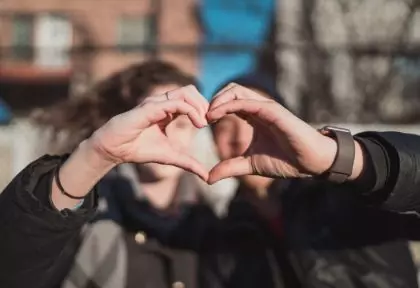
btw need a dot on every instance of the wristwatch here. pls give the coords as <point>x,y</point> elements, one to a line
<point>342,166</point>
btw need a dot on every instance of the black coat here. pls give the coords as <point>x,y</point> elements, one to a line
<point>330,239</point>
<point>37,244</point>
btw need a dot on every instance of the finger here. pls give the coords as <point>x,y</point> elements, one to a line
<point>159,111</point>
<point>224,89</point>
<point>227,94</point>
<point>246,108</point>
<point>230,168</point>
<point>195,95</point>
<point>251,119</point>
<point>179,158</point>
<point>165,122</point>
<point>189,94</point>
<point>268,114</point>
<point>189,163</point>
<point>235,92</point>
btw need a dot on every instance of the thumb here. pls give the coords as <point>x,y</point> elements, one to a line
<point>184,161</point>
<point>230,168</point>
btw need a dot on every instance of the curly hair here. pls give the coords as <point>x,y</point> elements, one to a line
<point>77,118</point>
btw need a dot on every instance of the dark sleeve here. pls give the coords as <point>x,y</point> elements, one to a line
<point>393,169</point>
<point>37,242</point>
<point>375,172</point>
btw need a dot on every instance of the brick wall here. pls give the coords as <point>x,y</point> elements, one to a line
<point>99,19</point>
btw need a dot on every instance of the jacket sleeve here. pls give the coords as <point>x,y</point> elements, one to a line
<point>397,170</point>
<point>37,242</point>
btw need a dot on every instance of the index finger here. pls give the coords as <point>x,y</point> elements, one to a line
<point>188,94</point>
<point>227,94</point>
<point>194,97</point>
<point>158,111</point>
<point>234,92</point>
<point>260,109</point>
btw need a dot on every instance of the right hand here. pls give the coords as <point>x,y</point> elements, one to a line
<point>283,145</point>
<point>138,135</point>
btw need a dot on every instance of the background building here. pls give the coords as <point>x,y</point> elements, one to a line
<point>62,46</point>
<point>53,49</point>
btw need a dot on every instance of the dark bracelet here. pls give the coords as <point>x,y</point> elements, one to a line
<point>60,186</point>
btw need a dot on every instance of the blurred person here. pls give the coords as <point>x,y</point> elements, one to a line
<point>301,233</point>
<point>141,206</point>
<point>43,210</point>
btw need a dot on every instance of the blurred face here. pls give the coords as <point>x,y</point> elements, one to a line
<point>180,131</point>
<point>232,136</point>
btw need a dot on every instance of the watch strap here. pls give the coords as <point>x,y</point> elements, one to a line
<point>342,166</point>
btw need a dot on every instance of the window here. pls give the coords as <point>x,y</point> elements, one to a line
<point>22,37</point>
<point>134,32</point>
<point>53,40</point>
<point>42,39</point>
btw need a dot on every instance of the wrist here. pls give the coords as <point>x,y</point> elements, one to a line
<point>331,149</point>
<point>79,174</point>
<point>359,161</point>
<point>96,161</point>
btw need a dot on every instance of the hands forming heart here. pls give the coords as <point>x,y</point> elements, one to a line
<point>282,146</point>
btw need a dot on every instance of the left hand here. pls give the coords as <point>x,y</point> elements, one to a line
<point>138,135</point>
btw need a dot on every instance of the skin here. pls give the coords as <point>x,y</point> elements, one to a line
<point>283,145</point>
<point>159,181</point>
<point>233,136</point>
<point>136,136</point>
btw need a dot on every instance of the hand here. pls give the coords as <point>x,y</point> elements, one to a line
<point>282,146</point>
<point>139,134</point>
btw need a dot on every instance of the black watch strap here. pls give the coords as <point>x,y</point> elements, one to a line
<point>342,166</point>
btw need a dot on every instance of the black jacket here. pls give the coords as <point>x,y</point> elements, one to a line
<point>328,238</point>
<point>37,243</point>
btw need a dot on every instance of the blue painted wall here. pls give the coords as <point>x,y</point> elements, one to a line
<point>5,114</point>
<point>231,21</point>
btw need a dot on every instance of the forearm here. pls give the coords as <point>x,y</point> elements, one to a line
<point>32,230</point>
<point>79,174</point>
